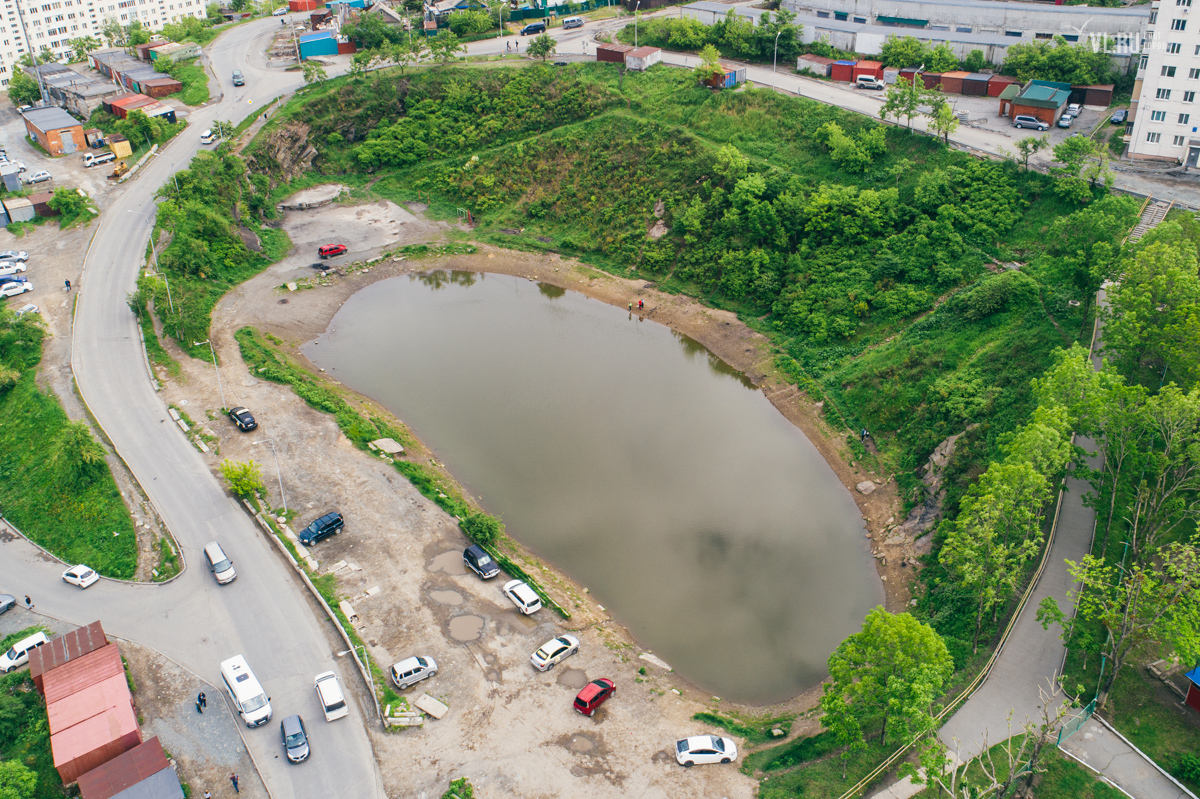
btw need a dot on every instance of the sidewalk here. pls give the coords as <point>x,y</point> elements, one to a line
<point>1102,750</point>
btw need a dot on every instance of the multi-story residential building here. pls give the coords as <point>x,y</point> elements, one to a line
<point>28,26</point>
<point>1165,116</point>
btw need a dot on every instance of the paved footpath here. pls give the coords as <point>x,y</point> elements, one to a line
<point>1102,749</point>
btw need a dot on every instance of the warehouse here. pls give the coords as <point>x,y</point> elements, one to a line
<point>56,131</point>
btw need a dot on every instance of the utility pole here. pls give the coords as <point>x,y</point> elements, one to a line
<point>37,73</point>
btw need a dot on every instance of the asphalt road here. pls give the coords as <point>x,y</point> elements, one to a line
<point>264,614</point>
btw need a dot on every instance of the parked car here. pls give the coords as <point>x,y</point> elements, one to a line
<point>13,279</point>
<point>7,603</point>
<point>554,651</point>
<point>331,250</point>
<point>533,27</point>
<point>238,79</point>
<point>207,137</point>
<point>572,22</point>
<point>327,525</point>
<point>480,562</point>
<point>243,419</point>
<point>295,739</point>
<point>705,749</point>
<point>24,309</point>
<point>1074,109</point>
<point>21,109</point>
<point>1023,120</point>
<point>18,654</point>
<point>92,159</point>
<point>41,176</point>
<point>593,695</point>
<point>11,267</point>
<point>249,698</point>
<point>20,166</point>
<point>1065,121</point>
<point>330,695</point>
<point>1117,118</point>
<point>279,12</point>
<point>523,597</point>
<point>13,289</point>
<point>219,563</point>
<point>411,671</point>
<point>14,255</point>
<point>81,576</point>
<point>869,82</point>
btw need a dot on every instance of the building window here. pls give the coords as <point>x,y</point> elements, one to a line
<point>1183,118</point>
<point>1070,37</point>
<point>1178,141</point>
<point>1168,72</point>
<point>1145,60</point>
<point>961,29</point>
<point>823,14</point>
<point>1194,73</point>
<point>1153,138</point>
<point>1189,97</point>
<point>1158,116</point>
<point>841,16</point>
<point>1163,94</point>
<point>861,20</point>
<point>1043,35</point>
<point>1153,17</point>
<point>1179,24</point>
<point>1014,34</point>
<point>1173,48</point>
<point>1183,2</point>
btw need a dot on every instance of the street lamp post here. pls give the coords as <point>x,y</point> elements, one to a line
<point>216,368</point>
<point>154,256</point>
<point>278,472</point>
<point>635,23</point>
<point>365,664</point>
<point>775,59</point>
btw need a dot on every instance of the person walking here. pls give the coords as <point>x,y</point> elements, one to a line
<point>68,284</point>
<point>202,699</point>
<point>28,603</point>
<point>234,780</point>
<point>631,307</point>
<point>641,304</point>
<point>207,795</point>
<point>199,708</point>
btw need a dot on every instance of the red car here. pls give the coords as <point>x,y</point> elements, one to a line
<point>330,250</point>
<point>593,695</point>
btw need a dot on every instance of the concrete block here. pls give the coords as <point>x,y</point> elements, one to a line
<point>183,425</point>
<point>174,414</point>
<point>431,706</point>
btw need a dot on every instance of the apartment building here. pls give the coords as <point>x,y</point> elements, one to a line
<point>1165,116</point>
<point>27,26</point>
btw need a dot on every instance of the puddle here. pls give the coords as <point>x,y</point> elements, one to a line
<point>466,628</point>
<point>449,562</point>
<point>581,743</point>
<point>572,678</point>
<point>446,597</point>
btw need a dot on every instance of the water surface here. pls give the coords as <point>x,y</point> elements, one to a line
<point>631,458</point>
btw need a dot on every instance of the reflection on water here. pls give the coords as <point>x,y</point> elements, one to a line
<point>632,459</point>
<point>551,291</point>
<point>440,278</point>
<point>695,349</point>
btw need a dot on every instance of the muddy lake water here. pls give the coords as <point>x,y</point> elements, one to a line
<point>632,459</point>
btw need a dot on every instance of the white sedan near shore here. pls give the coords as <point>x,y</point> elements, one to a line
<point>700,749</point>
<point>554,651</point>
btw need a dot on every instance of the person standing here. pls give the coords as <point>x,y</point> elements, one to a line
<point>28,603</point>
<point>233,778</point>
<point>199,709</point>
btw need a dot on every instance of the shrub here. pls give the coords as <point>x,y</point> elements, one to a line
<point>482,528</point>
<point>245,479</point>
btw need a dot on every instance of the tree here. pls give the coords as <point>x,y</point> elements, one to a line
<point>902,99</point>
<point>222,129</point>
<point>407,52</point>
<point>889,673</point>
<point>114,33</point>
<point>542,47</point>
<point>361,61</point>
<point>470,22</point>
<point>71,204</point>
<point>76,455</point>
<point>136,34</point>
<point>83,45</point>
<point>1086,244</point>
<point>238,5</point>
<point>23,89</point>
<point>975,61</point>
<point>245,479</point>
<point>314,72</point>
<point>1078,64</point>
<point>482,528</point>
<point>710,64</point>
<point>1030,145</point>
<point>1158,601</point>
<point>372,33</point>
<point>1078,174</point>
<point>445,46</point>
<point>942,59</point>
<point>17,781</point>
<point>903,51</point>
<point>942,119</point>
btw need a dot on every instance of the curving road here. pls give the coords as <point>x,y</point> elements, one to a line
<point>264,614</point>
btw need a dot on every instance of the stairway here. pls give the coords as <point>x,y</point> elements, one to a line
<point>1154,212</point>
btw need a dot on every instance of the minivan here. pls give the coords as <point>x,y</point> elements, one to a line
<point>91,159</point>
<point>411,671</point>
<point>533,27</point>
<point>220,565</point>
<point>1026,121</point>
<point>18,655</point>
<point>248,696</point>
<point>329,692</point>
<point>572,22</point>
<point>207,137</point>
<point>869,82</point>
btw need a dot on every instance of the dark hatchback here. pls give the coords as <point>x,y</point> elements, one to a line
<point>480,562</point>
<point>243,419</point>
<point>327,525</point>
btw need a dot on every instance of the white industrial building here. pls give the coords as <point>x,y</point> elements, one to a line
<point>1164,114</point>
<point>28,26</point>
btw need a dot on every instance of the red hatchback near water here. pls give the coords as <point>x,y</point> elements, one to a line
<point>330,250</point>
<point>593,695</point>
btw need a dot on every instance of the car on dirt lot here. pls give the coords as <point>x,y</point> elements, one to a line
<point>13,289</point>
<point>327,525</point>
<point>14,255</point>
<point>331,250</point>
<point>295,739</point>
<point>1120,116</point>
<point>30,308</point>
<point>81,576</point>
<point>11,267</point>
<point>411,671</point>
<point>554,651</point>
<point>701,749</point>
<point>331,696</point>
<point>593,695</point>
<point>523,597</point>
<point>480,562</point>
<point>243,418</point>
<point>41,176</point>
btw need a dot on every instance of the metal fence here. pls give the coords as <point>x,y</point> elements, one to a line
<point>1072,725</point>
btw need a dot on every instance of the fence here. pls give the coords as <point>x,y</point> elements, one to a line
<point>1072,725</point>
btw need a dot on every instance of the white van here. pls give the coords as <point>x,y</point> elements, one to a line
<point>329,692</point>
<point>572,22</point>
<point>411,671</point>
<point>248,695</point>
<point>91,159</point>
<point>207,137</point>
<point>868,82</point>
<point>18,655</point>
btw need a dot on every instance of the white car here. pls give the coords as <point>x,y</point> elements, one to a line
<point>20,166</point>
<point>705,749</point>
<point>411,671</point>
<point>523,597</point>
<point>279,12</point>
<point>330,695</point>
<point>14,255</point>
<point>41,176</point>
<point>10,267</point>
<point>13,289</point>
<point>207,137</point>
<point>30,308</point>
<point>81,576</point>
<point>553,651</point>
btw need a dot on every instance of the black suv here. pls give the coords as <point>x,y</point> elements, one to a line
<point>327,525</point>
<point>480,562</point>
